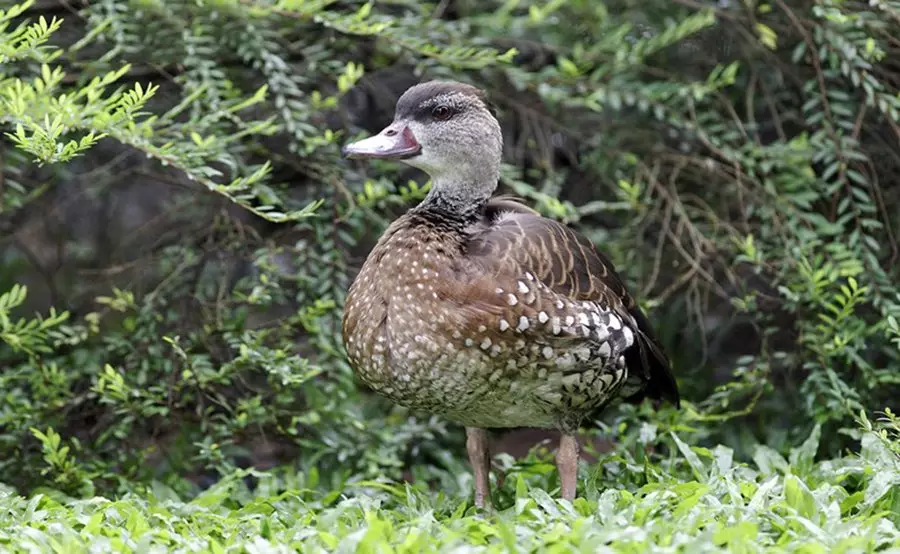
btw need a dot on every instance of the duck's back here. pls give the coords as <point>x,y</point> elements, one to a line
<point>508,320</point>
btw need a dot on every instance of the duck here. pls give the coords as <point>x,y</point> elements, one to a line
<point>478,309</point>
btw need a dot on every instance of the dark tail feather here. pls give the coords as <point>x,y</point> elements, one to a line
<point>648,354</point>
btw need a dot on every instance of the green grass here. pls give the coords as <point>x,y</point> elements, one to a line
<point>694,500</point>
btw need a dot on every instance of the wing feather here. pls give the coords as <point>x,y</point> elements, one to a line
<point>514,240</point>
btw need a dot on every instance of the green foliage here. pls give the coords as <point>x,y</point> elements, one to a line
<point>93,399</point>
<point>26,335</point>
<point>700,500</point>
<point>25,41</point>
<point>768,188</point>
<point>173,199</point>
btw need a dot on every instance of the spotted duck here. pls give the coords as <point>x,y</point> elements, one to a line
<point>481,310</point>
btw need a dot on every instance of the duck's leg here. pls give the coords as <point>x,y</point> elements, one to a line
<point>567,464</point>
<point>480,458</point>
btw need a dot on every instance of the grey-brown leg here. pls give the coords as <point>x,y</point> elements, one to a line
<point>480,458</point>
<point>567,464</point>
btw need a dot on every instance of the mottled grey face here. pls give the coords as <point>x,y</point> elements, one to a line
<point>444,128</point>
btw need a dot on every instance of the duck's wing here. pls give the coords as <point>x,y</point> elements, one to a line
<point>538,269</point>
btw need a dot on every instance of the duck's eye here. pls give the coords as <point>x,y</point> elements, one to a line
<point>441,113</point>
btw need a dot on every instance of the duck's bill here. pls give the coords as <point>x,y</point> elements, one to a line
<point>390,144</point>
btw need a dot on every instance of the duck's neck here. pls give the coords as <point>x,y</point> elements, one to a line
<point>460,196</point>
<point>460,201</point>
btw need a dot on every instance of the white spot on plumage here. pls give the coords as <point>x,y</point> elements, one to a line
<point>469,342</point>
<point>504,325</point>
<point>512,299</point>
<point>482,328</point>
<point>522,287</point>
<point>583,318</point>
<point>486,343</point>
<point>543,317</point>
<point>570,321</point>
<point>615,322</point>
<point>629,336</point>
<point>604,350</point>
<point>547,352</point>
<point>523,323</point>
<point>555,325</point>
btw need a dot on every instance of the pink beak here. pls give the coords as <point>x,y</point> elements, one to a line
<point>395,142</point>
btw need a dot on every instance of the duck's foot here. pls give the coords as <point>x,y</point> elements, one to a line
<point>567,464</point>
<point>480,458</point>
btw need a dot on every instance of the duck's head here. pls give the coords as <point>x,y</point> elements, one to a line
<point>444,128</point>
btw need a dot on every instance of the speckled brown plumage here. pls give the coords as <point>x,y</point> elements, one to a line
<point>508,321</point>
<point>483,311</point>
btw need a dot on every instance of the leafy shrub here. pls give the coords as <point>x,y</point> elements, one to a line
<point>700,500</point>
<point>173,201</point>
